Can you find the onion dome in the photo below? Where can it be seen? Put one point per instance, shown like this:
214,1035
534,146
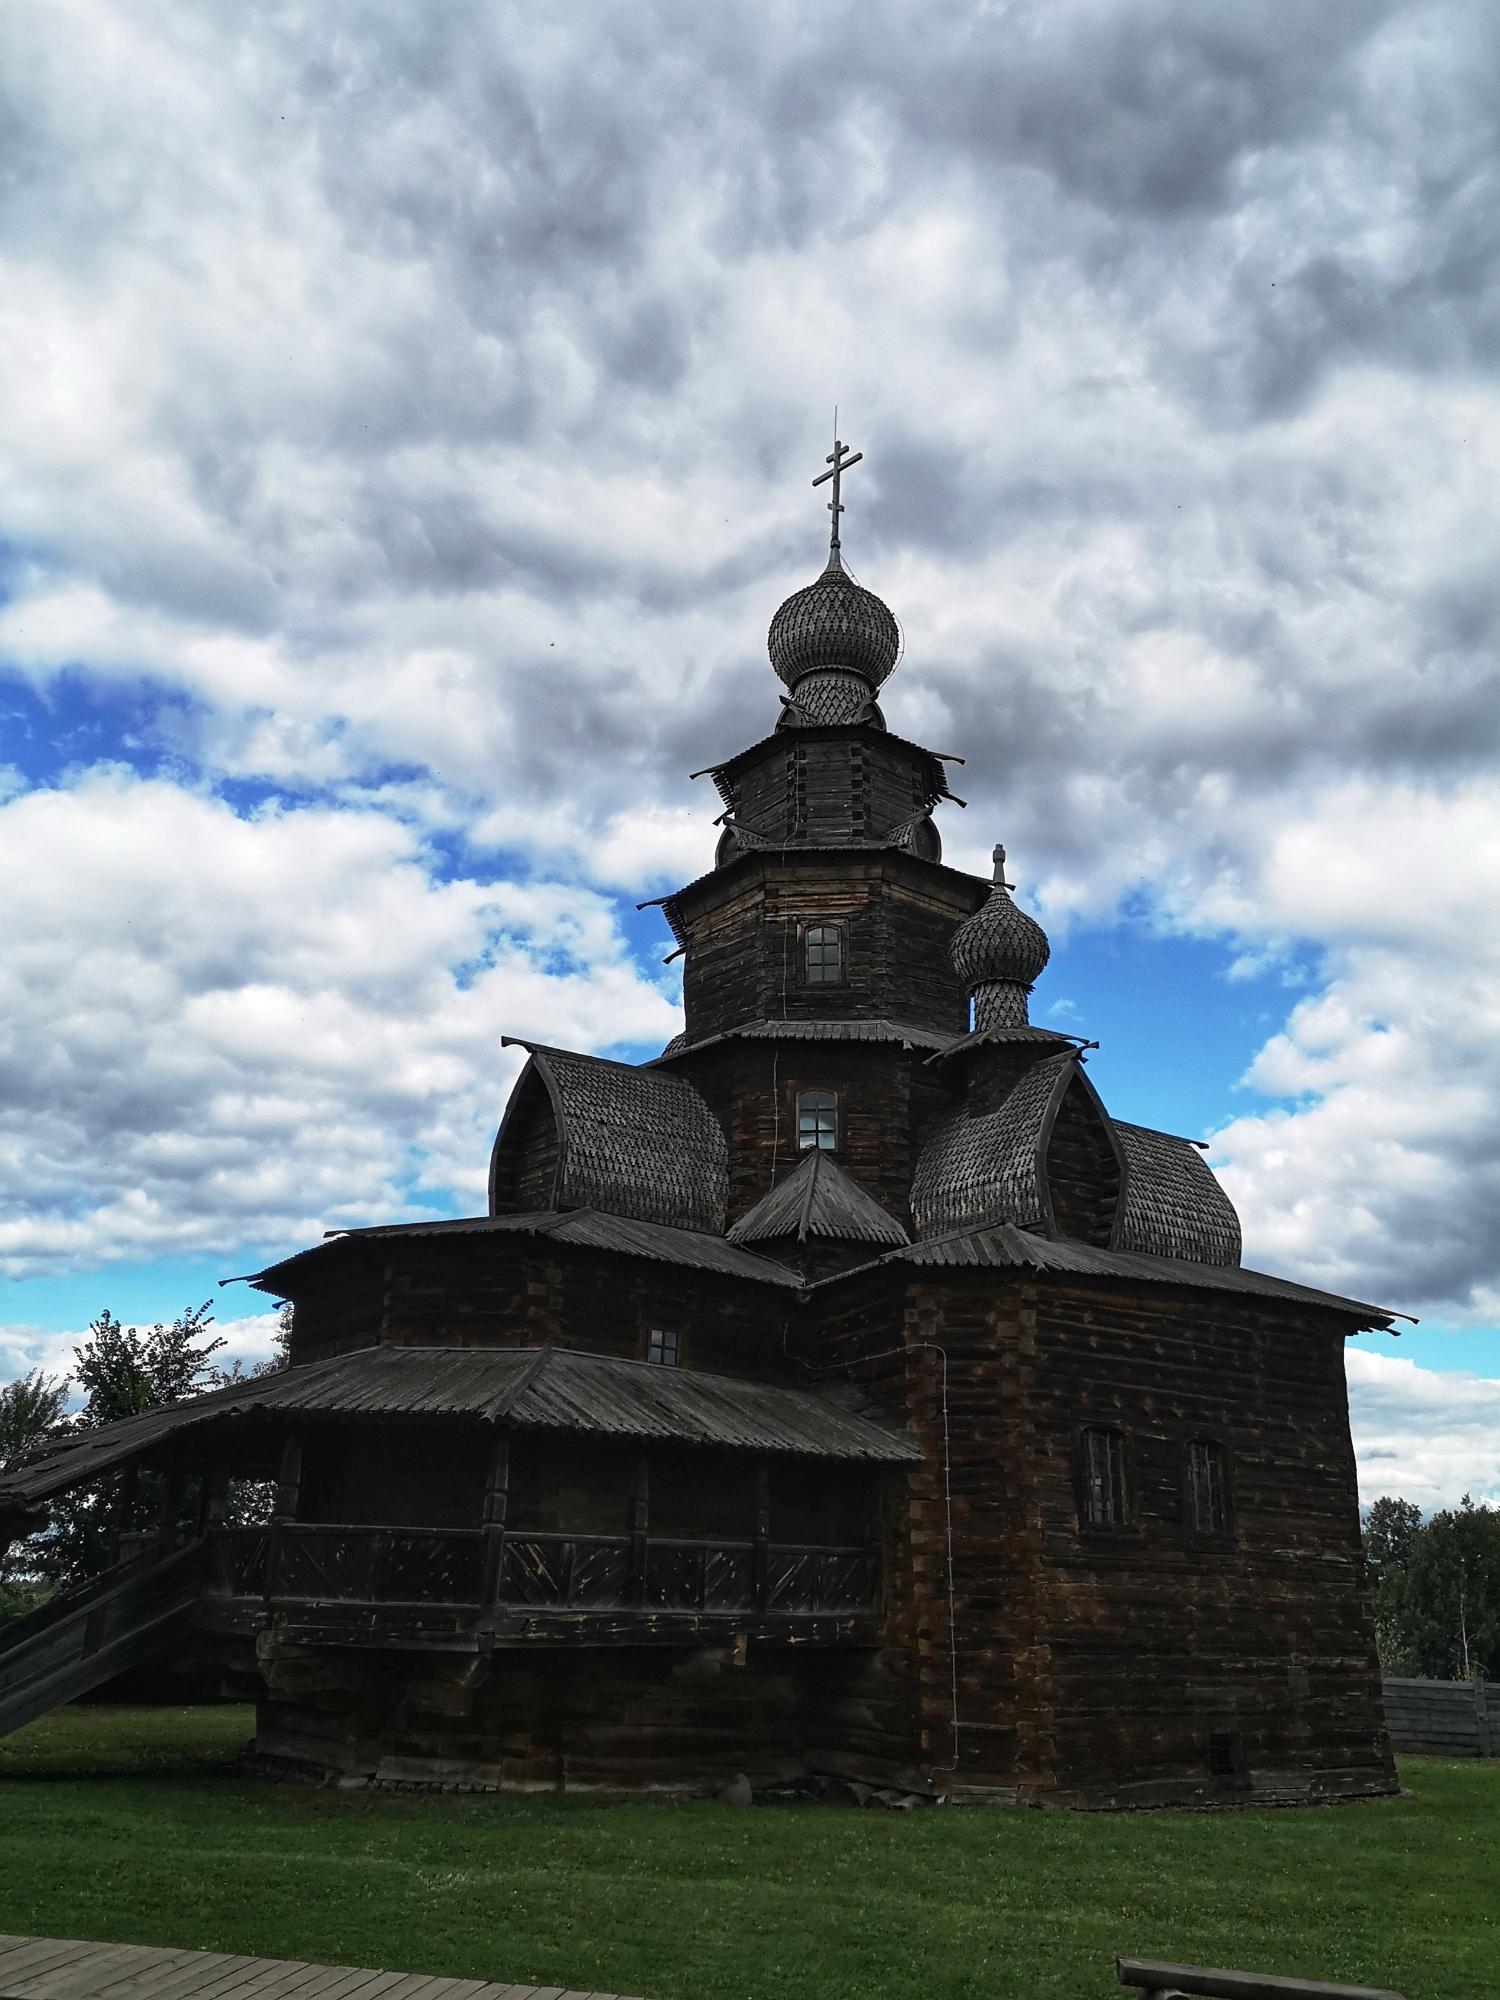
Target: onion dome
999,953
833,643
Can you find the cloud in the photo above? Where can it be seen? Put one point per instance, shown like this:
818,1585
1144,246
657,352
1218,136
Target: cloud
420,412
223,1030
1420,1435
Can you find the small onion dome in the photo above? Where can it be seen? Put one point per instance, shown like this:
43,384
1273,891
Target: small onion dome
999,953
834,623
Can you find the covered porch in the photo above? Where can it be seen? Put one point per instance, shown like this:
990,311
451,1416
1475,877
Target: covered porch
467,1500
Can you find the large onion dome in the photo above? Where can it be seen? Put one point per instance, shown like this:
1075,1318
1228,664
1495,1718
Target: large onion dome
999,954
833,643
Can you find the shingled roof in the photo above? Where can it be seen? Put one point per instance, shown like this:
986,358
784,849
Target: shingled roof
818,1199
586,1227
1003,1246
1172,1206
907,1033
986,1166
632,1141
546,1388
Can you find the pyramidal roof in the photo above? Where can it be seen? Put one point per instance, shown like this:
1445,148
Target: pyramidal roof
818,1199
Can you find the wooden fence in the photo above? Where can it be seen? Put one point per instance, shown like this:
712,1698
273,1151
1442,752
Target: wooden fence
1442,1718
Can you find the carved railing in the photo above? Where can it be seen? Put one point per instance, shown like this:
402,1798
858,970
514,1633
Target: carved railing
316,1563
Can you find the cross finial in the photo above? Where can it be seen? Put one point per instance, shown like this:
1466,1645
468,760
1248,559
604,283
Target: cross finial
840,463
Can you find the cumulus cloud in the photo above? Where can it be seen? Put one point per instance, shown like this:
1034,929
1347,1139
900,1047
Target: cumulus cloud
1421,1435
421,410
251,1029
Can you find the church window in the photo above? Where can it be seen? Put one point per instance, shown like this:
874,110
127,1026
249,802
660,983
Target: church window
817,1121
823,954
1102,1479
1208,1507
663,1347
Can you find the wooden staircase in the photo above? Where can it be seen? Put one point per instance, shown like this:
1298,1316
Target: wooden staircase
86,1636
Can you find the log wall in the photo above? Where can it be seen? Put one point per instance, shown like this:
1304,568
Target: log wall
1143,1664
744,942
519,1291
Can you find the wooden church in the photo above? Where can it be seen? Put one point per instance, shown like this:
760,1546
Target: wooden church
842,1395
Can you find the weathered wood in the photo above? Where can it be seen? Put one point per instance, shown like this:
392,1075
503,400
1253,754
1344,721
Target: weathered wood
1164,1981
70,1969
1440,1718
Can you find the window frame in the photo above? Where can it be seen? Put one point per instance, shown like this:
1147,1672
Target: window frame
1223,1529
673,1347
833,1110
1120,1482
805,944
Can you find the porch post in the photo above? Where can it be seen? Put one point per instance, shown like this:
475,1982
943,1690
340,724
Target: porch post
494,1516
170,1511
126,1494
284,1510
762,1533
640,1522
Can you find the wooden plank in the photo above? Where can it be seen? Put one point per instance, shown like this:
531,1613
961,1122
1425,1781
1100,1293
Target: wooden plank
109,1970
141,1971
30,1955
74,1969
196,1981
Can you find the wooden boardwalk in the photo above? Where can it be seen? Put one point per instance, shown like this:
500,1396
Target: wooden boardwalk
64,1969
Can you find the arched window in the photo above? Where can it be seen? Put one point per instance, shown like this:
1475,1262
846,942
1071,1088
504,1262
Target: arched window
1101,1479
823,954
817,1121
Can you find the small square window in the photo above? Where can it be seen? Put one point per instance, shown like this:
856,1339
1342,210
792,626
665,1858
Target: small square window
1102,1479
823,954
662,1347
1208,1507
817,1121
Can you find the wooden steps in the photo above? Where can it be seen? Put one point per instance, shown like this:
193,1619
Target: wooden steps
85,1637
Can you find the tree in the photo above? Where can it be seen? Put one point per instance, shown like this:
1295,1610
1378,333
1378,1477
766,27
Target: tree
124,1371
1435,1587
31,1415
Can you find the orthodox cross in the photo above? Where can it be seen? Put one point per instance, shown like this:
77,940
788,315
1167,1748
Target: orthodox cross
840,464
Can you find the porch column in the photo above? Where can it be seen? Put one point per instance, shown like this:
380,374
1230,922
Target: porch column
762,1557
284,1509
495,1513
640,1522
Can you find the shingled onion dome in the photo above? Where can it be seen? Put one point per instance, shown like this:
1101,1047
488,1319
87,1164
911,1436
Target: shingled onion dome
999,954
833,644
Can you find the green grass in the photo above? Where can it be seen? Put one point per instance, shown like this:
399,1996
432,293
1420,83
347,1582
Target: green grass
134,1825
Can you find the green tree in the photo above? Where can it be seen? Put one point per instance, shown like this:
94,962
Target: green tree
1393,1530
31,1416
1435,1588
123,1371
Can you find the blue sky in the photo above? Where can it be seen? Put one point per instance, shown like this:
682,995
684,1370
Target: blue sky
410,427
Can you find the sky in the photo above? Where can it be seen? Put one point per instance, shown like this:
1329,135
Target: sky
409,419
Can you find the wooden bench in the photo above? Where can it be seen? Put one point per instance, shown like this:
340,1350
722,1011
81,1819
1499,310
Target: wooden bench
1185,1982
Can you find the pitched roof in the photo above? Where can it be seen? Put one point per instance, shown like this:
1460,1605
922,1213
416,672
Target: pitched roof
1003,1246
908,1033
986,1037
534,1388
986,1166
818,1199
1171,1205
587,1227
630,1140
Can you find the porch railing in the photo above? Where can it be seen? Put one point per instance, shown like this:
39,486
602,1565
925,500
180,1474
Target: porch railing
467,1569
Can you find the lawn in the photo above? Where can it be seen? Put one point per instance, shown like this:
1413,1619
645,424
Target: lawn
134,1825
